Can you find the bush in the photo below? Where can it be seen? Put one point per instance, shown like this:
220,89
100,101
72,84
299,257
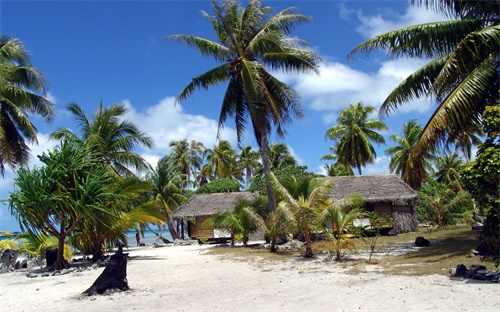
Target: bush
219,186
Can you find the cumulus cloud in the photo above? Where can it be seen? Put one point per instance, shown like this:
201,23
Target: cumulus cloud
337,85
167,121
388,20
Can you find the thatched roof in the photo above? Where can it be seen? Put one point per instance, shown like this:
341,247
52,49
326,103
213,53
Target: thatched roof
208,204
374,188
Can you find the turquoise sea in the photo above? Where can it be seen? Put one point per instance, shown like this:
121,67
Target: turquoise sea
148,237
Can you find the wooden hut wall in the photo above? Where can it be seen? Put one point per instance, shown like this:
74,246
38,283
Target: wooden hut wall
383,208
199,231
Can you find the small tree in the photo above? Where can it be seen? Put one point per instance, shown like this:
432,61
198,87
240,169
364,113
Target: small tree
74,185
341,214
376,224
445,207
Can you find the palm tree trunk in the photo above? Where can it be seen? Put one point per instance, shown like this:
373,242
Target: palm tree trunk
271,198
164,240
309,252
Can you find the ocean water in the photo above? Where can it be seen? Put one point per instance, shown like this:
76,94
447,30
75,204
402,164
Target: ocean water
148,237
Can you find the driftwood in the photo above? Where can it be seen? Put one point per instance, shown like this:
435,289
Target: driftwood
114,276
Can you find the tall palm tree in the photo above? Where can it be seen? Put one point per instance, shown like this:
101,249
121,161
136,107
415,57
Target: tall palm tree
248,161
249,39
448,168
181,159
413,167
280,156
222,161
338,168
462,75
20,89
354,133
115,140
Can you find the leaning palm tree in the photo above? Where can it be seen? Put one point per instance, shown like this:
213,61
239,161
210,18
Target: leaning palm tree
413,167
20,89
462,75
354,134
249,39
113,138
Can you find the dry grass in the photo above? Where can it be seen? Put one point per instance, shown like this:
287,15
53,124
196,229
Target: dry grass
448,249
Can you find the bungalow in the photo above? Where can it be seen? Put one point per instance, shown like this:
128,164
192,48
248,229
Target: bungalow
200,207
384,194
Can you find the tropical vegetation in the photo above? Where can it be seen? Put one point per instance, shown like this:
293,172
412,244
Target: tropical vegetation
353,134
22,91
249,39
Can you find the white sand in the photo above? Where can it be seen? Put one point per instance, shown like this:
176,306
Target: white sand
187,279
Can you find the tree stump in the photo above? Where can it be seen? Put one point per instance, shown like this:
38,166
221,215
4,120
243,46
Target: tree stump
114,275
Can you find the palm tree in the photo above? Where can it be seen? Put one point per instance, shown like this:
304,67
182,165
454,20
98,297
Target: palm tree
20,89
449,167
354,133
306,198
464,141
167,190
115,140
248,39
342,220
222,161
462,75
280,156
413,167
336,169
447,205
248,161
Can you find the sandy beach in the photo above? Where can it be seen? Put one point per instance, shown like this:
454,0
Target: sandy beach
186,278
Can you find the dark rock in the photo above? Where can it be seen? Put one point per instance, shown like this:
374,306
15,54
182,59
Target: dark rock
422,242
474,268
114,276
461,271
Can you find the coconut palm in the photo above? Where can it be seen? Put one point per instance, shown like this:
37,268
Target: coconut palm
187,157
248,39
447,205
113,138
413,167
449,167
336,169
20,89
280,156
306,198
74,186
167,190
462,74
342,221
222,160
248,161
354,134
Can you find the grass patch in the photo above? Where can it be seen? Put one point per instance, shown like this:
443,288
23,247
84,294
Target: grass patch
448,249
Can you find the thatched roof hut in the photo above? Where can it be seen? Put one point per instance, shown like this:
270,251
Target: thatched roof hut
201,206
376,188
384,194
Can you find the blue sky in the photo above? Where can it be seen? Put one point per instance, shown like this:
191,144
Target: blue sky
114,52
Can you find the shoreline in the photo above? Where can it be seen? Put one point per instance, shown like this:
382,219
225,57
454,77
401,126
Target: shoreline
185,278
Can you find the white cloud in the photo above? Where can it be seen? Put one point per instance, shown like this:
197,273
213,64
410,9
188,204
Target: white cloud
337,85
375,25
379,166
166,122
